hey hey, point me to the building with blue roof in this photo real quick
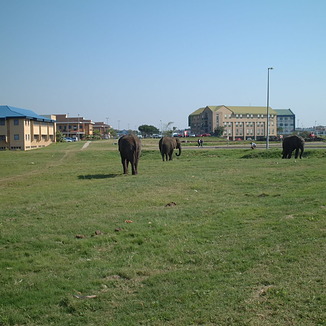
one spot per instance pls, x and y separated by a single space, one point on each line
22 129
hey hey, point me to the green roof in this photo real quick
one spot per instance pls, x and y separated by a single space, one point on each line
284 112
251 110
238 109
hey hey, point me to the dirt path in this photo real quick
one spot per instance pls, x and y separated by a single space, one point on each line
86 145
50 164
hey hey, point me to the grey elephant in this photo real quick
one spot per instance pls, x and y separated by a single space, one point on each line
167 145
292 143
130 149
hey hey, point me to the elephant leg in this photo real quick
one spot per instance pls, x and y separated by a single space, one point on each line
133 168
296 153
135 165
125 166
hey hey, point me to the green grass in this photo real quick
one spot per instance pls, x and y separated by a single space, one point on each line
244 244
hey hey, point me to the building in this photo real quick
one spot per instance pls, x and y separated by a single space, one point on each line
239 122
76 127
22 129
103 129
285 122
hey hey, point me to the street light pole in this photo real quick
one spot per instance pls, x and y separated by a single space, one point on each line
267 109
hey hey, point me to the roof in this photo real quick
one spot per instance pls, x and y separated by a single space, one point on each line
238 109
284 112
12 112
200 110
251 109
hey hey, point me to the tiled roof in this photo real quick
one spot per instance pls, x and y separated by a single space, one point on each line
284 112
12 112
251 110
238 109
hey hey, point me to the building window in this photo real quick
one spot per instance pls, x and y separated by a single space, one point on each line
2 122
2 137
16 122
16 137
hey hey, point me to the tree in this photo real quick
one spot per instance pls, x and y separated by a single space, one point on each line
112 132
59 136
148 130
218 132
96 134
167 131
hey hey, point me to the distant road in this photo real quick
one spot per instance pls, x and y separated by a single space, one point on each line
310 145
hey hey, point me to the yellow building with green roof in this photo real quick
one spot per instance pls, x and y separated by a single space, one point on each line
239 122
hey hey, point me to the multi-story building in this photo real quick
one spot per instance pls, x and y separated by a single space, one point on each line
103 129
23 129
76 127
285 122
239 122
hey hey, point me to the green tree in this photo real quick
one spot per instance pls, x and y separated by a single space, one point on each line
218 132
167 129
96 134
147 130
112 132
59 136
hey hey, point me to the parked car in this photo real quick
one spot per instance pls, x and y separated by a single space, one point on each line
69 139
204 135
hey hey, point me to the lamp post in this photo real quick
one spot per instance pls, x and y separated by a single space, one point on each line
267 109
77 131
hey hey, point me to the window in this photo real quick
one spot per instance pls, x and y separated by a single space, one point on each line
16 122
3 137
2 122
16 137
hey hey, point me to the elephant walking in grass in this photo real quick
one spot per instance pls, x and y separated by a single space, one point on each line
167 145
292 143
129 148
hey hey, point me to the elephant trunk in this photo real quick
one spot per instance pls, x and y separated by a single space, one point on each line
179 147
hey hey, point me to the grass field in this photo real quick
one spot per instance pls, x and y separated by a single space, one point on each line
214 237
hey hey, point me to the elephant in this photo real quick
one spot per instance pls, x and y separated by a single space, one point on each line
292 143
130 149
167 145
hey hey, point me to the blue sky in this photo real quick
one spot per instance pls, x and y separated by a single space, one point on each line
156 61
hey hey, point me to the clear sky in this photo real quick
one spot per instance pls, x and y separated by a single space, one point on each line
133 62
